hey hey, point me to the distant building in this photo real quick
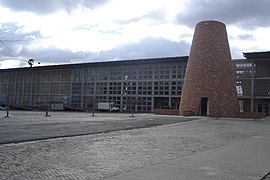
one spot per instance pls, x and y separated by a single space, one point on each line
253 81
147 83
142 85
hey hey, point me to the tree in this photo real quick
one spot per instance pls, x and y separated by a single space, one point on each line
133 102
31 62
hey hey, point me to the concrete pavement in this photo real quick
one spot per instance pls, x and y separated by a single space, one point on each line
248 159
25 126
200 149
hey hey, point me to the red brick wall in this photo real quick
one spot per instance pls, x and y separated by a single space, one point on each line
210 73
251 115
166 111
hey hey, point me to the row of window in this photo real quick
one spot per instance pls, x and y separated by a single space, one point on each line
142 103
141 88
31 100
35 76
35 88
260 69
129 73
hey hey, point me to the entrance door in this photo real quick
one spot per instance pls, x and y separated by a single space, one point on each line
260 108
204 106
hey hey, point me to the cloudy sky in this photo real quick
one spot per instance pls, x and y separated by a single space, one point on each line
74 31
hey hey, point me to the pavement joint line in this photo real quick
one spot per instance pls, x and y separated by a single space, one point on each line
267 176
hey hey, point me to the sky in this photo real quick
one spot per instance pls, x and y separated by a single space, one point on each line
77 31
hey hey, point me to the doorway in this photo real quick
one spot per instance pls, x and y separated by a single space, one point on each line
204 106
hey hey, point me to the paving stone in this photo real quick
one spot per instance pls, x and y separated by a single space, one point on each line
98 156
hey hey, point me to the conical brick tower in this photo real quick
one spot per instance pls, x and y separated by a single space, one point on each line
209 86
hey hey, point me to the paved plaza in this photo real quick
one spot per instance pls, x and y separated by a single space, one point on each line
25 126
75 145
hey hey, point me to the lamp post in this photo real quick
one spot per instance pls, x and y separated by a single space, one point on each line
125 93
132 102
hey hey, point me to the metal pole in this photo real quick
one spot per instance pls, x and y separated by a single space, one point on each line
47 112
7 111
93 109
8 97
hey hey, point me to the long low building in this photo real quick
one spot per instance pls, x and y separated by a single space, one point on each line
140 85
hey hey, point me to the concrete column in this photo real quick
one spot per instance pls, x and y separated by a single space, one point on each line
252 88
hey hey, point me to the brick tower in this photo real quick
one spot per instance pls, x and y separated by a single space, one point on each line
209 87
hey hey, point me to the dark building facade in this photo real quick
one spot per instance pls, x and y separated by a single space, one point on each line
139 85
147 83
253 81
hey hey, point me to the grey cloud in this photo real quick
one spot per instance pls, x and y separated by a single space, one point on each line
49 6
246 13
12 41
56 56
147 48
8 28
158 15
246 37
18 46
